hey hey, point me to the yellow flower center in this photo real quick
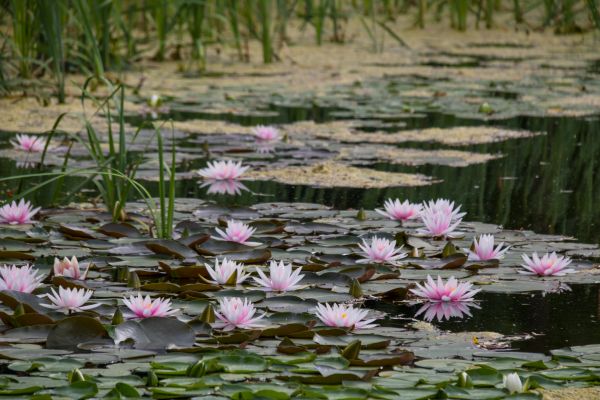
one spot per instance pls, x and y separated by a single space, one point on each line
344 315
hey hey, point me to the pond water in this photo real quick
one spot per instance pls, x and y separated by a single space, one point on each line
553 320
545 183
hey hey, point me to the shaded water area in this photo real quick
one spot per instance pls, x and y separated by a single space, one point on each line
544 183
553 320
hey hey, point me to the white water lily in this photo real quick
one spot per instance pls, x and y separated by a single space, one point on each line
512 383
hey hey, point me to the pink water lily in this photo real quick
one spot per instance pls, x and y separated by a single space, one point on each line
265 133
146 307
18 213
68 268
23 279
29 143
281 277
483 249
237 232
445 207
452 290
437 223
231 187
380 250
344 316
224 271
234 313
223 170
398 211
68 300
445 310
548 265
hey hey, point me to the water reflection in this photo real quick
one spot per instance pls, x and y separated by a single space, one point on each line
446 310
552 320
229 186
265 148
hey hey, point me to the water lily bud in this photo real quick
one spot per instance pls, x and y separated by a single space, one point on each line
362 215
152 380
512 383
155 100
355 289
464 380
197 370
117 317
133 281
208 315
19 310
76 376
485 108
352 350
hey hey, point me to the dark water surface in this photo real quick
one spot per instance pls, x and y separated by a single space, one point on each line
554 320
548 183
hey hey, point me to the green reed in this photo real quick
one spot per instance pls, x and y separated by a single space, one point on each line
264 14
52 17
47 38
24 35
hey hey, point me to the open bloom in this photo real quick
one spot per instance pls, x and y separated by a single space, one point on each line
483 249
400 211
70 299
444 206
344 316
512 383
437 223
146 307
32 144
21 279
445 310
452 290
380 251
237 232
223 170
68 268
281 277
266 133
17 213
234 313
229 186
224 271
548 265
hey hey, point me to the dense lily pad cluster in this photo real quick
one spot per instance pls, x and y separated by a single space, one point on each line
299 320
